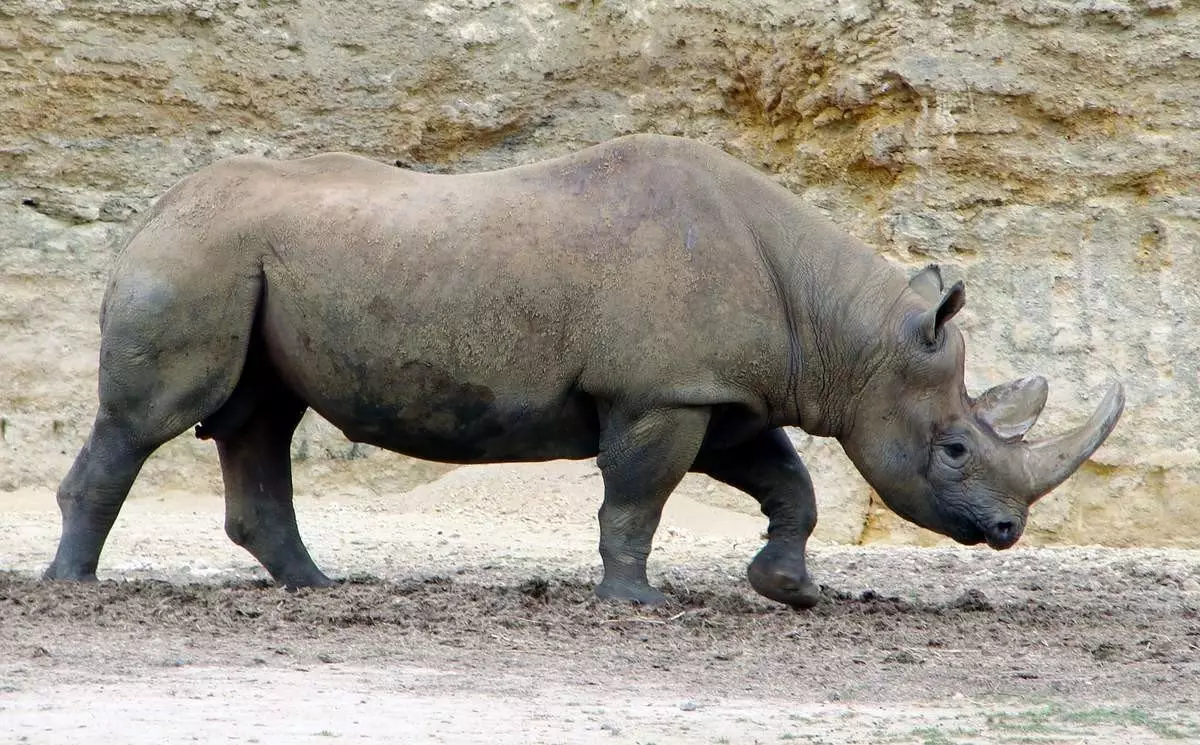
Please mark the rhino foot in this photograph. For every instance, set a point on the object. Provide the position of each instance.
(55, 572)
(779, 573)
(298, 580)
(642, 594)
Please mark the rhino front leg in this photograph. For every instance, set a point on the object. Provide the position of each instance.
(768, 468)
(642, 459)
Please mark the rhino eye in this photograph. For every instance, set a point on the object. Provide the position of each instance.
(956, 452)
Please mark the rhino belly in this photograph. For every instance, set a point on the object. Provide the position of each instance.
(471, 423)
(421, 409)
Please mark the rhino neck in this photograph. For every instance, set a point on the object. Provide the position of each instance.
(841, 299)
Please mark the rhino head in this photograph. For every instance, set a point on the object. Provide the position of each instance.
(946, 461)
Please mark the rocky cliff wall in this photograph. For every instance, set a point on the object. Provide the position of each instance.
(1046, 151)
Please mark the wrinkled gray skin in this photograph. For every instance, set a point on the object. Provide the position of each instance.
(650, 300)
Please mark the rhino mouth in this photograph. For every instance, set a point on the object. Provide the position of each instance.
(969, 539)
(998, 533)
(978, 536)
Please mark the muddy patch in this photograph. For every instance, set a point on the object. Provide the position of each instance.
(477, 624)
(855, 646)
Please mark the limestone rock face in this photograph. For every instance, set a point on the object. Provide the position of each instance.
(1046, 151)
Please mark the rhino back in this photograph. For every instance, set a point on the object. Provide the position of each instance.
(480, 316)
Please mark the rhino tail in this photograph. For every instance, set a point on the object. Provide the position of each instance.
(243, 401)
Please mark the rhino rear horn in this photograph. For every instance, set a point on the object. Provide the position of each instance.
(1010, 409)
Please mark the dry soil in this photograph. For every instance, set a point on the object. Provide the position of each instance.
(472, 621)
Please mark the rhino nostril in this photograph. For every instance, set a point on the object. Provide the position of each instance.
(1004, 531)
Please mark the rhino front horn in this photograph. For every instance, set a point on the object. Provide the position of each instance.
(1048, 463)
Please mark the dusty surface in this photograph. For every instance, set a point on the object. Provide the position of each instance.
(473, 622)
(1044, 151)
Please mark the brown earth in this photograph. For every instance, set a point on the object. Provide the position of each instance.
(475, 622)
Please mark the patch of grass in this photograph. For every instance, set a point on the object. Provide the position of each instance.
(1058, 721)
(932, 736)
(935, 733)
(1133, 716)
(1040, 721)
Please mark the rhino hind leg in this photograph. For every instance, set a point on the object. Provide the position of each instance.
(768, 468)
(91, 495)
(642, 459)
(256, 468)
(163, 367)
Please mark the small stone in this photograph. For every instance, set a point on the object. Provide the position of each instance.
(903, 657)
(828, 115)
(116, 209)
(972, 600)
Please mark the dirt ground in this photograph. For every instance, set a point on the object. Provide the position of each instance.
(472, 621)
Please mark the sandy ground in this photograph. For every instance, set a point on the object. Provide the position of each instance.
(468, 618)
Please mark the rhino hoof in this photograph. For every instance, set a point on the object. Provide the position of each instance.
(787, 590)
(642, 595)
(782, 584)
(307, 580)
(53, 572)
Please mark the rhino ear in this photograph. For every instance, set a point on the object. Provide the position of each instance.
(932, 320)
(928, 283)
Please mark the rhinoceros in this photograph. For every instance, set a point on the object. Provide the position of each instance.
(651, 301)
